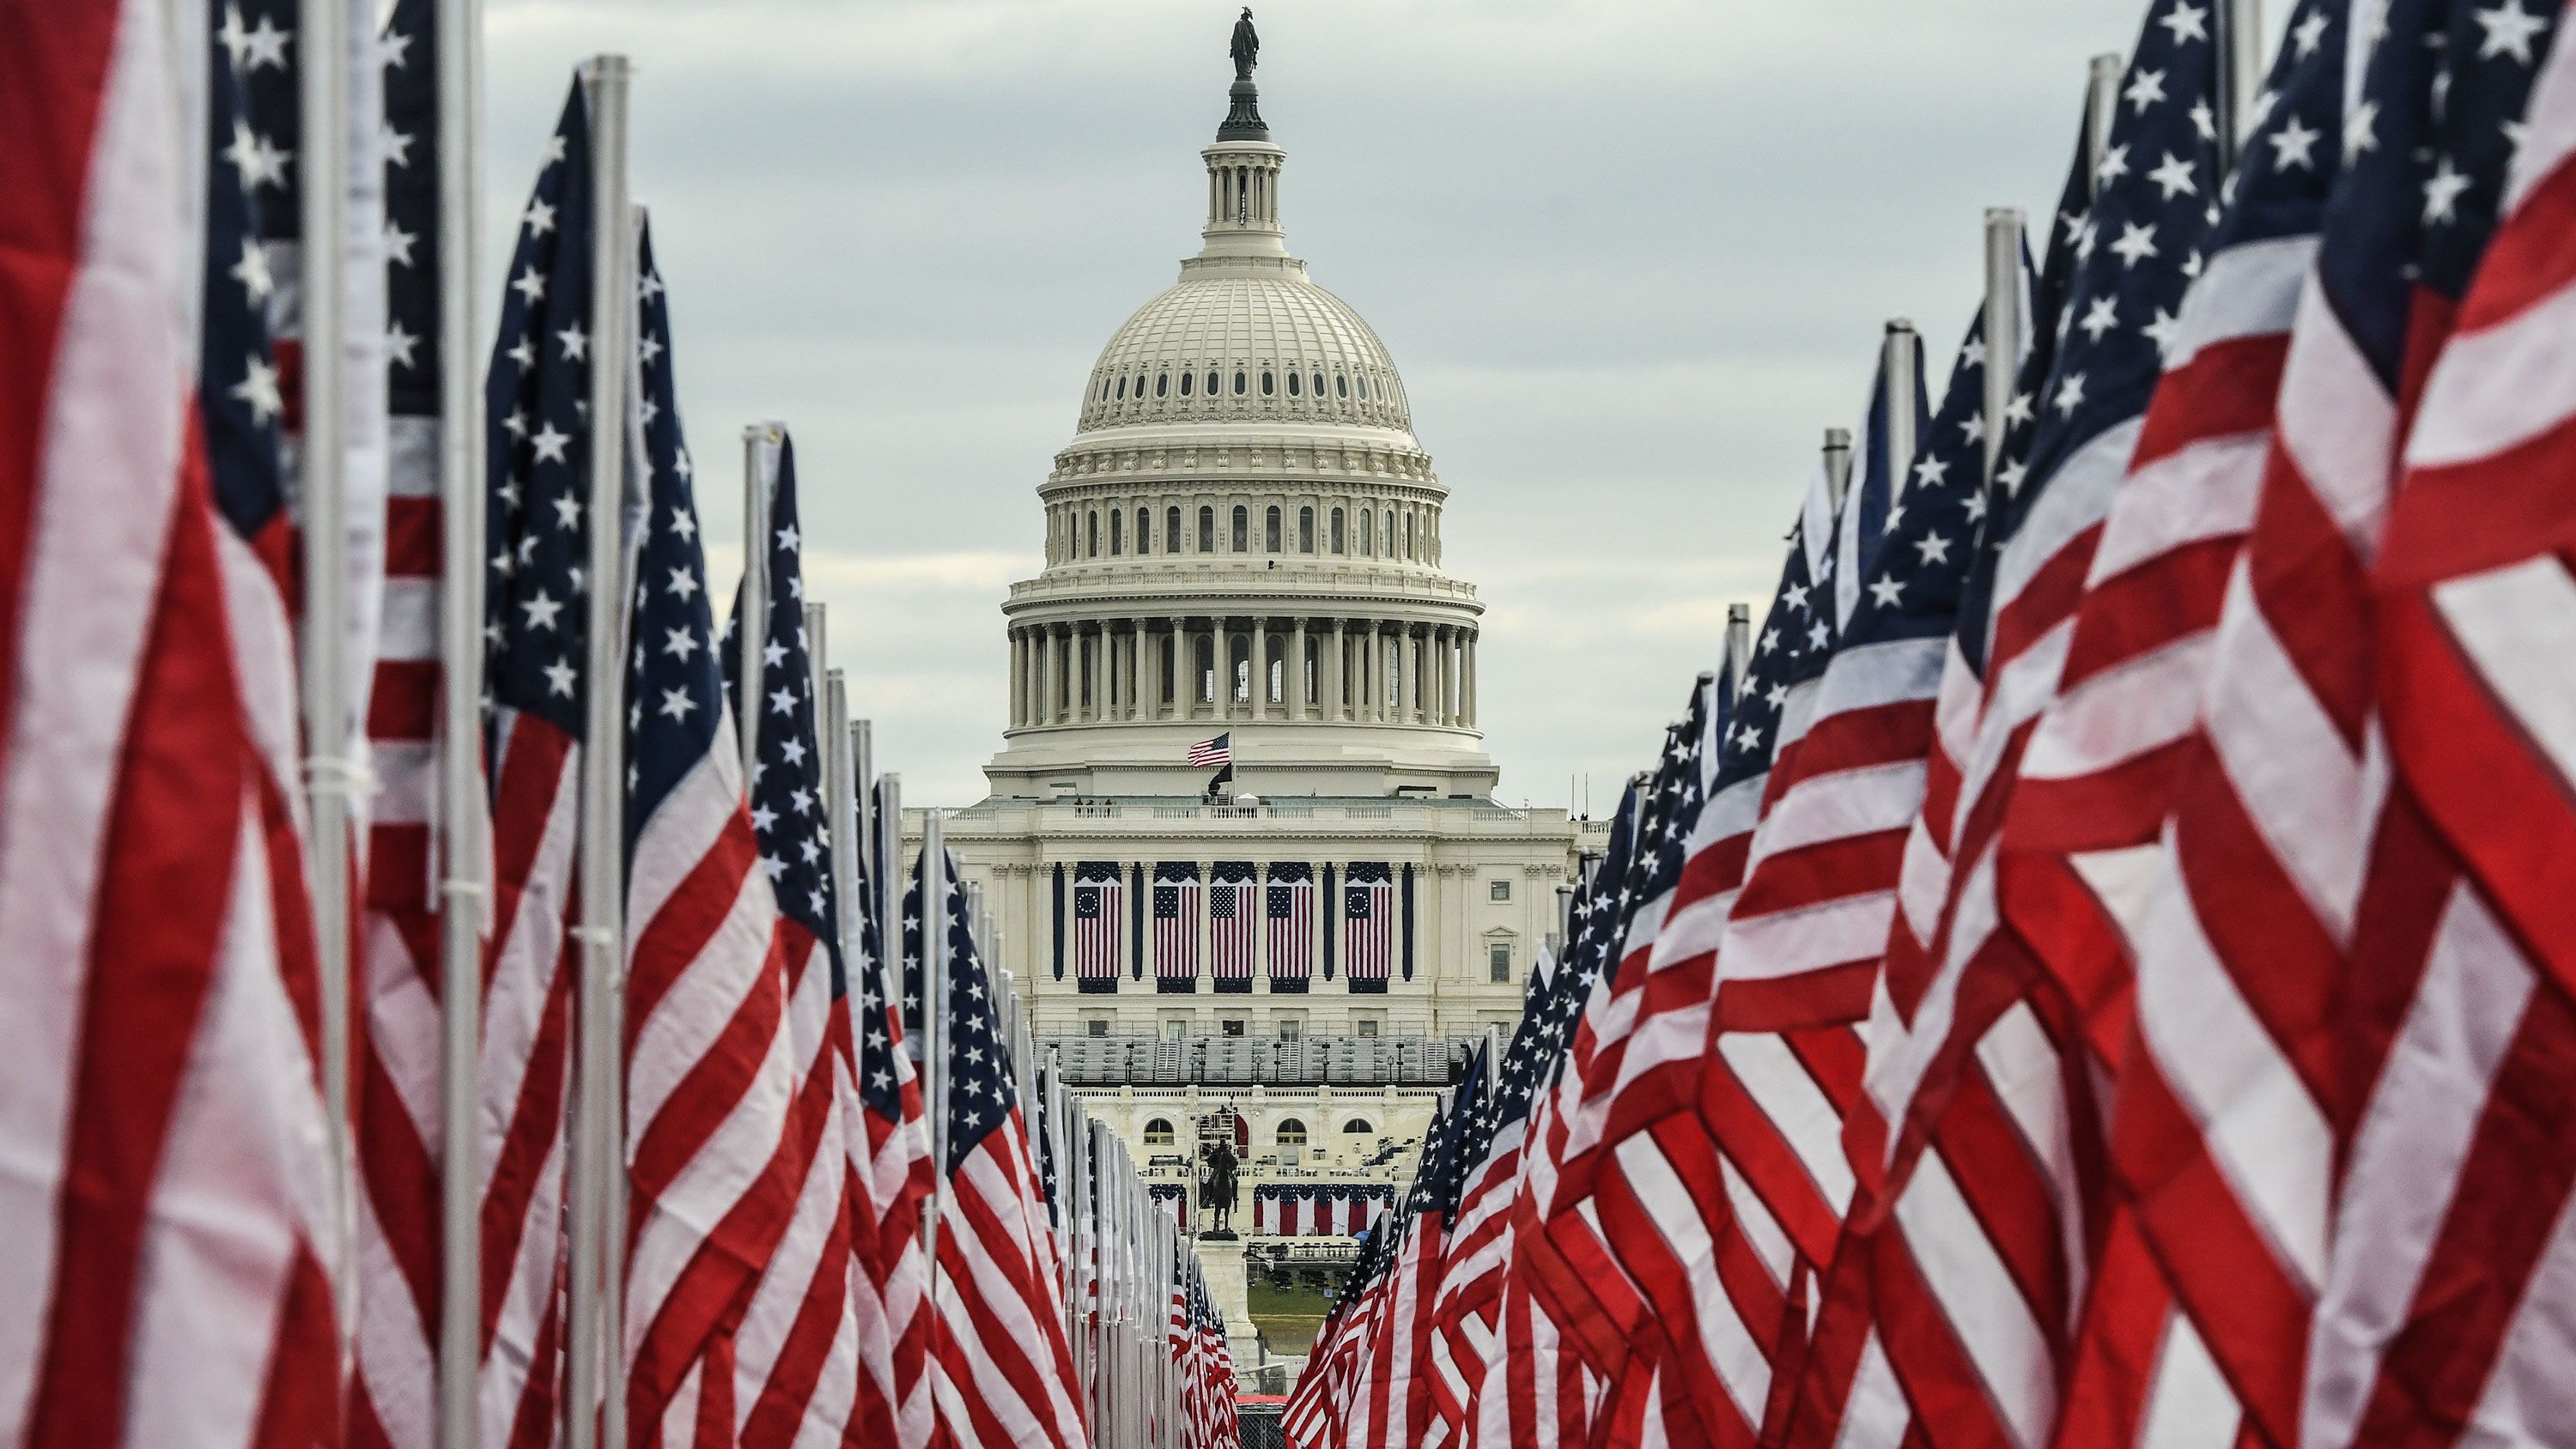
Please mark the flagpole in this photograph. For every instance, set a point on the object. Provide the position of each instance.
(1739, 645)
(2003, 324)
(1900, 360)
(2101, 104)
(840, 815)
(759, 478)
(2240, 80)
(1838, 464)
(330, 773)
(598, 1156)
(863, 808)
(464, 842)
(889, 887)
(934, 1024)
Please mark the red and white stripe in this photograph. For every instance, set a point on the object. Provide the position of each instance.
(1004, 1372)
(171, 1277)
(1233, 934)
(712, 1091)
(2451, 1281)
(889, 1178)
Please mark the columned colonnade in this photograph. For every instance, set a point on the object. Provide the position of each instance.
(1362, 671)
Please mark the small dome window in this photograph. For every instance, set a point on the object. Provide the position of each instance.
(1341, 387)
(1140, 387)
(1292, 385)
(1363, 387)
(1238, 384)
(1211, 384)
(1162, 384)
(1186, 379)
(1104, 389)
(1122, 389)
(1319, 384)
(1269, 384)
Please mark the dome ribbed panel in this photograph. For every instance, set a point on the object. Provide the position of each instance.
(1230, 324)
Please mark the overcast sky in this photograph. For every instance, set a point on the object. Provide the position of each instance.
(1631, 257)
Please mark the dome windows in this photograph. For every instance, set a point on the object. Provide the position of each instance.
(1341, 387)
(1104, 389)
(1211, 384)
(1207, 530)
(1292, 384)
(1238, 384)
(1338, 537)
(1319, 384)
(1305, 530)
(1171, 530)
(1270, 531)
(1363, 387)
(1162, 384)
(1122, 389)
(1269, 385)
(1242, 529)
(1186, 379)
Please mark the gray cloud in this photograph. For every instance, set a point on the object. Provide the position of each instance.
(1631, 256)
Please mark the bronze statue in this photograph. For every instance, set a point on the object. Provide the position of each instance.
(1217, 1188)
(1246, 46)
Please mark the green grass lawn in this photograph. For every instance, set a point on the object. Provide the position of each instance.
(1288, 1317)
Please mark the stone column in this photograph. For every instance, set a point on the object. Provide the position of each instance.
(1180, 653)
(1261, 666)
(1338, 690)
(1470, 719)
(1050, 672)
(1087, 642)
(1299, 706)
(1019, 679)
(1141, 670)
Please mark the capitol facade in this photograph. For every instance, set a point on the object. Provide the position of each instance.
(1243, 543)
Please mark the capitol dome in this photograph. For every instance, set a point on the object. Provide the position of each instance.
(1243, 537)
(1228, 345)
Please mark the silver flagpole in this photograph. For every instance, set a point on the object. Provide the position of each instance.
(598, 1145)
(1739, 645)
(2101, 104)
(464, 836)
(1838, 463)
(2003, 324)
(759, 478)
(1902, 357)
(2240, 78)
(889, 886)
(841, 817)
(330, 774)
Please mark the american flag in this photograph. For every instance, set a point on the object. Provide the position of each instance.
(1210, 753)
(796, 1368)
(1392, 1406)
(2449, 1322)
(1004, 1372)
(1288, 910)
(399, 1132)
(2079, 848)
(716, 1077)
(1099, 923)
(1233, 929)
(171, 1197)
(1176, 928)
(537, 464)
(1368, 926)
(890, 1177)
(1971, 1024)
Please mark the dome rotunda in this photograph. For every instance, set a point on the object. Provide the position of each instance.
(1263, 345)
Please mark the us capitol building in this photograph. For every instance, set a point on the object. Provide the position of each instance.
(1243, 539)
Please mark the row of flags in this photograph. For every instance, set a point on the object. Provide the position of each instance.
(1248, 925)
(2092, 968)
(574, 1087)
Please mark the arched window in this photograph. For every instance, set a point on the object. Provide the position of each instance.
(1238, 384)
(1145, 531)
(1186, 379)
(1268, 384)
(1158, 1132)
(1356, 1127)
(1337, 530)
(1368, 534)
(1387, 532)
(1291, 1133)
(1117, 533)
(1092, 536)
(1162, 384)
(1242, 529)
(1305, 530)
(1408, 535)
(1292, 385)
(1207, 530)
(1239, 657)
(1270, 530)
(1171, 530)
(1206, 651)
